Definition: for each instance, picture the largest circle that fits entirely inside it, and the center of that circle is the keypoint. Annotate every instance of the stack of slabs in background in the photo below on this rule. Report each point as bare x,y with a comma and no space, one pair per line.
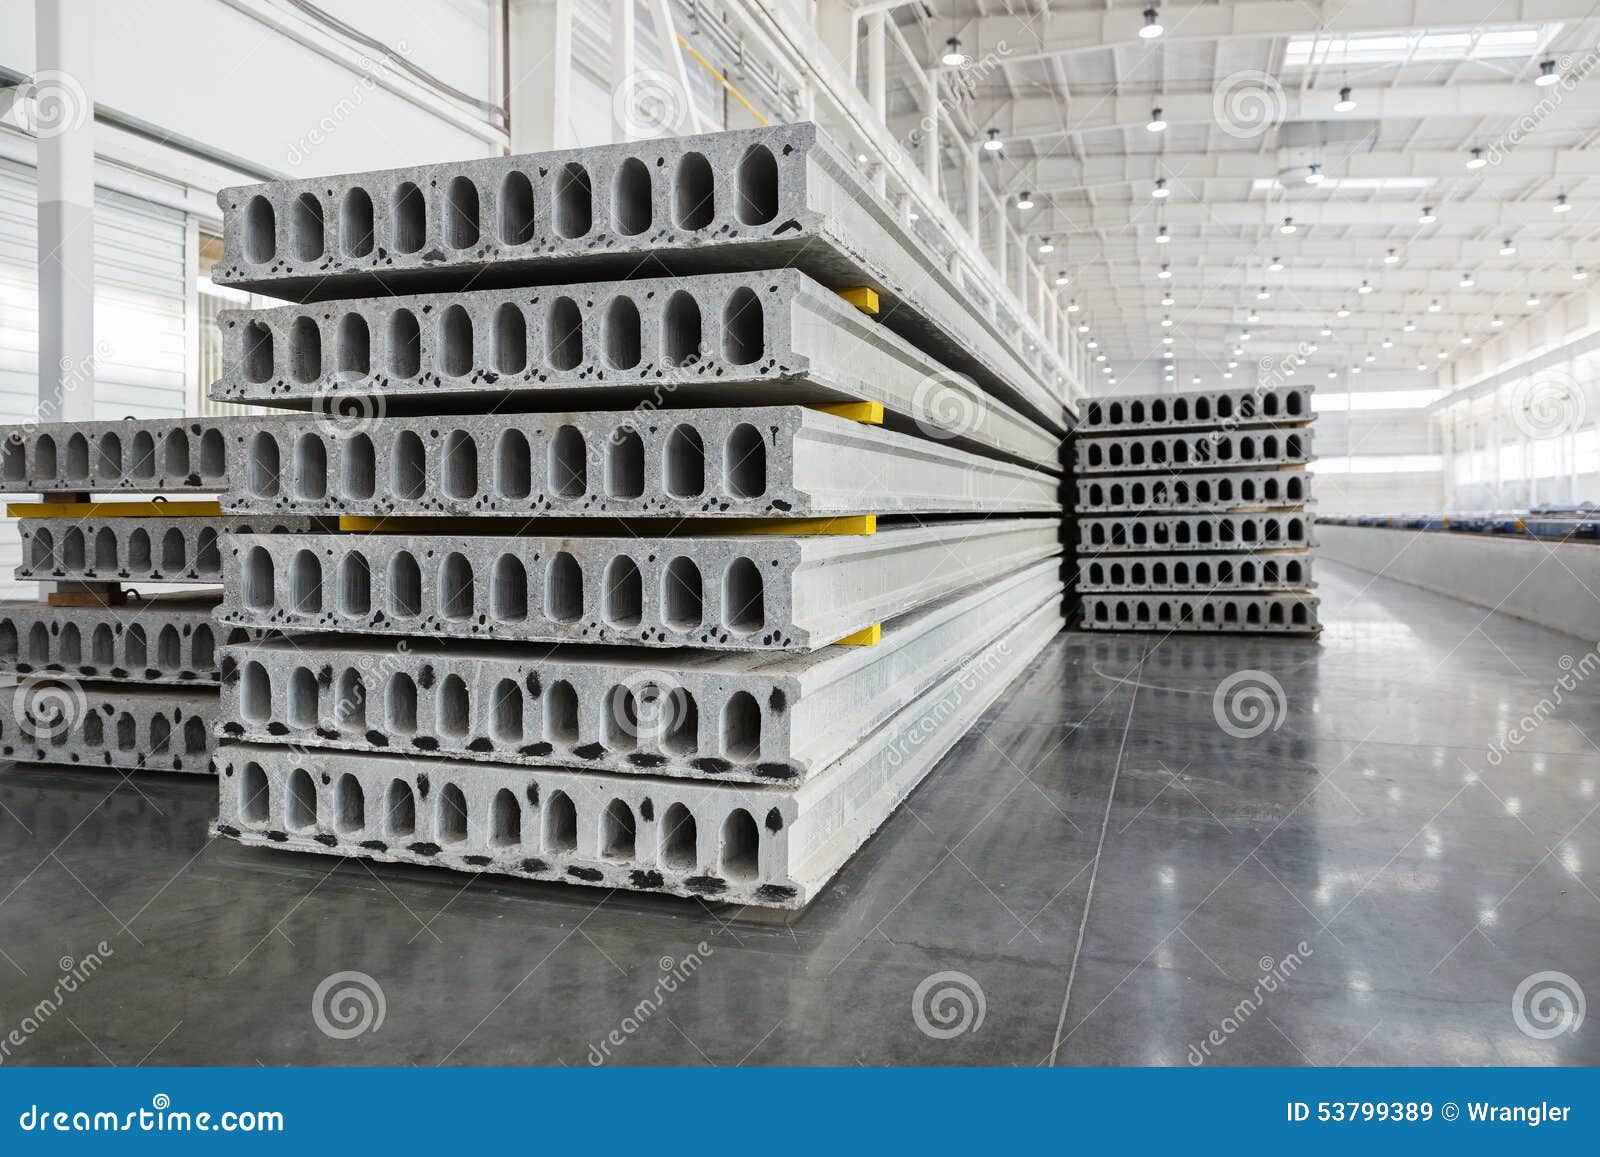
688,511
1191,512
105,671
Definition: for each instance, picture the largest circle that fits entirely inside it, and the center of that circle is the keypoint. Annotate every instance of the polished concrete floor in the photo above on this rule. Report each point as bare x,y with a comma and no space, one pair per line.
1100,870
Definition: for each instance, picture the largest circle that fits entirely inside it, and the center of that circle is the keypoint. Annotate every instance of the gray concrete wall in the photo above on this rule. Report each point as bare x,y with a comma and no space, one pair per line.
1552,584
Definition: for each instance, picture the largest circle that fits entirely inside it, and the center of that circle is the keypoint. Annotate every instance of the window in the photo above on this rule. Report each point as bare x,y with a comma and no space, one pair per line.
213,300
1439,44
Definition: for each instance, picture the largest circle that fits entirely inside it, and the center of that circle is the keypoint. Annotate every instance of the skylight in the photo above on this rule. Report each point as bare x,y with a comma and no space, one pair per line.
1514,40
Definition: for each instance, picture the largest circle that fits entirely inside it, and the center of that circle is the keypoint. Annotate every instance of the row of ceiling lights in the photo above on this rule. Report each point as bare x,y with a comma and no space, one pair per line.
1346,103
1548,75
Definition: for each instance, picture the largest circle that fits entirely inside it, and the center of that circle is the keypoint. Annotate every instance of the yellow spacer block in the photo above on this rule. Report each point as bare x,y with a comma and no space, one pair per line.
867,413
113,510
599,527
844,524
866,637
863,297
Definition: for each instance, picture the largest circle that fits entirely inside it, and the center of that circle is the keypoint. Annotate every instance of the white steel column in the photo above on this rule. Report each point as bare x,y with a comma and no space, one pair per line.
622,63
672,54
64,87
930,141
972,197
877,85
541,75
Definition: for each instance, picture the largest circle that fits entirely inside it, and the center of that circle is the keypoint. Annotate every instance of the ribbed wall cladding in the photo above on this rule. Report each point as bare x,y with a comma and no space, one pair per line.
155,455
739,593
1197,409
1283,613
132,550
1111,534
1194,491
764,198
158,639
772,846
96,724
764,461
727,717
1212,449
